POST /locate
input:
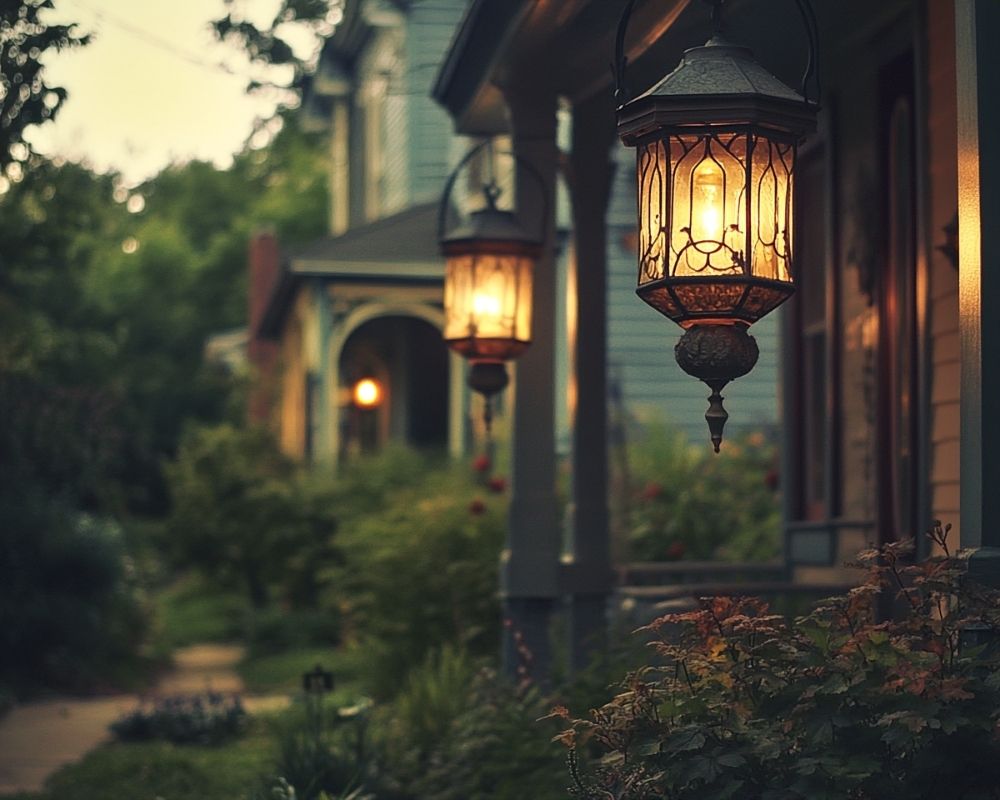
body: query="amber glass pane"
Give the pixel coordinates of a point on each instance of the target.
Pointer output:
(652, 175)
(771, 209)
(708, 215)
(488, 297)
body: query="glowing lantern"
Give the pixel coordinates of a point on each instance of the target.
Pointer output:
(716, 143)
(487, 293)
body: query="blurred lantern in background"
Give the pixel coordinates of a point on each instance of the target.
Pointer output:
(489, 264)
(716, 143)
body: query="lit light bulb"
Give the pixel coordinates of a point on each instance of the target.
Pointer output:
(367, 393)
(485, 305)
(706, 213)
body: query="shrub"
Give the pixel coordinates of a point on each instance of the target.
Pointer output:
(690, 503)
(244, 517)
(838, 704)
(207, 719)
(421, 573)
(71, 616)
(458, 731)
(322, 752)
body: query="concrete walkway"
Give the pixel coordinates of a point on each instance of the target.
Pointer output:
(38, 738)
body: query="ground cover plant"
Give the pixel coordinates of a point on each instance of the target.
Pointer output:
(210, 719)
(840, 704)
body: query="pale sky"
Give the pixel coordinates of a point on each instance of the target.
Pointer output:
(153, 86)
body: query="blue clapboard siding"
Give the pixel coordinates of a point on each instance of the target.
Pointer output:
(431, 24)
(641, 341)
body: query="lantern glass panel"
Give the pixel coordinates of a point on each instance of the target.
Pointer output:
(705, 250)
(488, 304)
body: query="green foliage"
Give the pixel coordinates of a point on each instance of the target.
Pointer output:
(151, 770)
(270, 45)
(208, 719)
(322, 750)
(282, 672)
(71, 616)
(242, 517)
(455, 734)
(25, 98)
(743, 704)
(695, 504)
(193, 611)
(420, 570)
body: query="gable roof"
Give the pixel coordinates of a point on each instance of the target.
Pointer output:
(400, 248)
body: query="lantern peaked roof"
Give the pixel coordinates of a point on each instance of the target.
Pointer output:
(721, 68)
(722, 84)
(490, 224)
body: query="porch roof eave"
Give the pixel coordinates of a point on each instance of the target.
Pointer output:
(567, 44)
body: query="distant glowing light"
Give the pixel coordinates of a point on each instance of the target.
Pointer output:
(367, 393)
(136, 203)
(130, 245)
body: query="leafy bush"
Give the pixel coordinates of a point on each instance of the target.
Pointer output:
(496, 749)
(692, 503)
(71, 616)
(243, 516)
(421, 572)
(322, 752)
(837, 704)
(207, 719)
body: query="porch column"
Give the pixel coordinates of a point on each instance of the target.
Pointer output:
(530, 561)
(977, 32)
(589, 574)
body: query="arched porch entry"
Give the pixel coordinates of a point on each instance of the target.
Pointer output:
(423, 398)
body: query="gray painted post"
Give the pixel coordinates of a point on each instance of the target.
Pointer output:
(590, 572)
(977, 32)
(530, 561)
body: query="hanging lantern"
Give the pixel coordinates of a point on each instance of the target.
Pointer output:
(489, 263)
(716, 143)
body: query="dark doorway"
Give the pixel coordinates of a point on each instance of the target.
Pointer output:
(408, 358)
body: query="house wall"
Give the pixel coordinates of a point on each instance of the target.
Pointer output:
(942, 169)
(299, 348)
(430, 151)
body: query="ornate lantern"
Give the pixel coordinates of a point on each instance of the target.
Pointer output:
(489, 263)
(716, 143)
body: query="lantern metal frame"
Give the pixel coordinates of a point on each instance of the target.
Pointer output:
(719, 103)
(490, 231)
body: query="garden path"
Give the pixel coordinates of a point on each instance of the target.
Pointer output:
(36, 739)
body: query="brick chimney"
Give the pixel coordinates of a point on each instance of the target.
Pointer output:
(264, 265)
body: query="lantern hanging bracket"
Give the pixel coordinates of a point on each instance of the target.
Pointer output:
(491, 190)
(806, 10)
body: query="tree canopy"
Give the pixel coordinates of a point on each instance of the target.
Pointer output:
(26, 99)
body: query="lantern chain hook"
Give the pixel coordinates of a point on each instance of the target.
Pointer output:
(620, 63)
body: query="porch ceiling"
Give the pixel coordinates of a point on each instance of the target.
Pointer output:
(567, 46)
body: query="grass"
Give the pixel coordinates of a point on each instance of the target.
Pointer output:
(282, 672)
(190, 611)
(161, 771)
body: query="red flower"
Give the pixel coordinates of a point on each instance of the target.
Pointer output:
(497, 484)
(477, 507)
(772, 480)
(481, 463)
(651, 491)
(675, 552)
